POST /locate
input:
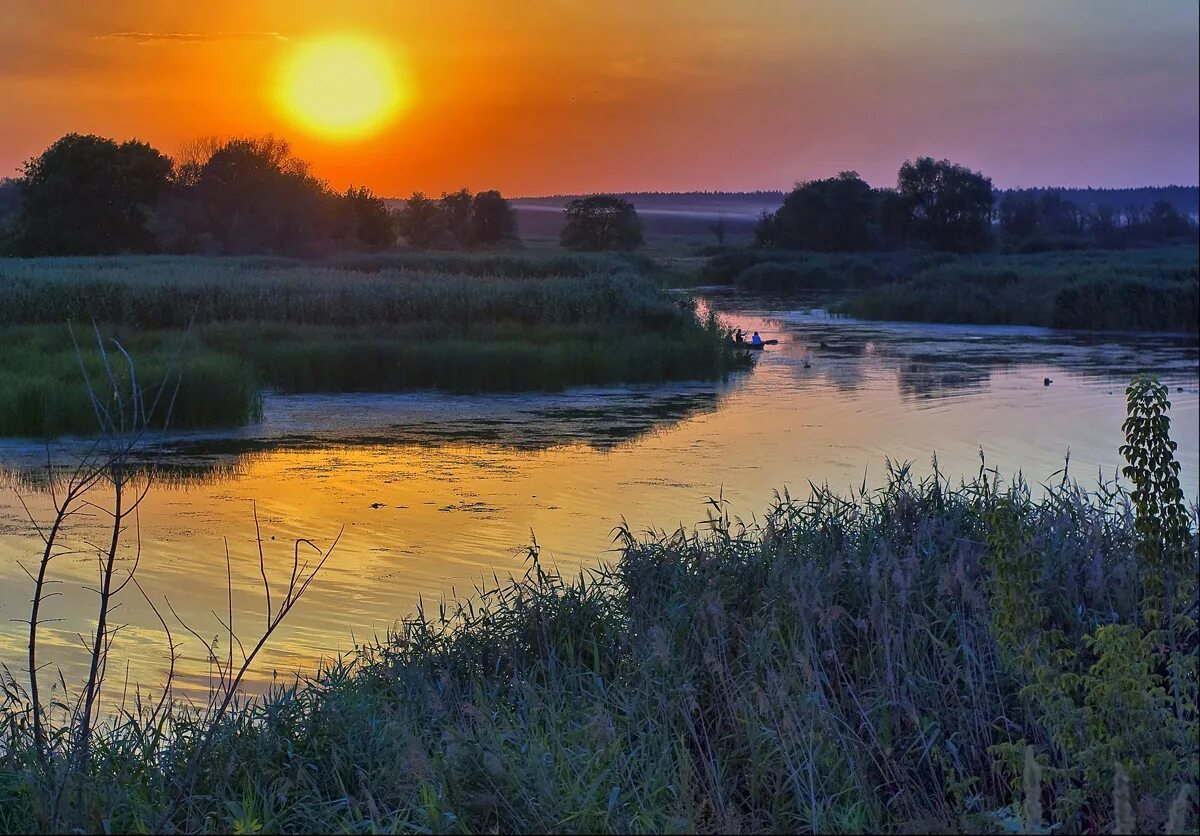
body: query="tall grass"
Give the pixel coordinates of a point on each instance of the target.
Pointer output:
(852, 663)
(783, 270)
(515, 323)
(1154, 290)
(1148, 290)
(43, 393)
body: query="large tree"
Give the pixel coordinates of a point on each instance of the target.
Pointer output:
(837, 214)
(601, 222)
(950, 205)
(88, 195)
(254, 196)
(492, 220)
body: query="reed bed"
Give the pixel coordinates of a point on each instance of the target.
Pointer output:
(1154, 290)
(231, 328)
(1144, 290)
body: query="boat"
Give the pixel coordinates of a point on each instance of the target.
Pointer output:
(749, 346)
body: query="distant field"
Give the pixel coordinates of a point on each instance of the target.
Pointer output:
(230, 328)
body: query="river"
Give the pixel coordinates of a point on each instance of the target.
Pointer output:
(435, 494)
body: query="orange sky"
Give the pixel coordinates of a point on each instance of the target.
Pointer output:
(546, 96)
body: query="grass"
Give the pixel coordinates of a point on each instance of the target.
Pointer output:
(1145, 290)
(920, 658)
(390, 323)
(1152, 290)
(836, 669)
(782, 270)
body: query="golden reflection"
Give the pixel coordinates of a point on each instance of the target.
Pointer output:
(425, 518)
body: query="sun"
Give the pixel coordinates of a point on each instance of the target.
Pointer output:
(341, 87)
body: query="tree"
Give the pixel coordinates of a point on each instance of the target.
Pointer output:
(421, 222)
(1106, 228)
(370, 221)
(892, 218)
(10, 213)
(1019, 214)
(456, 208)
(492, 220)
(1164, 222)
(601, 222)
(950, 205)
(87, 195)
(254, 196)
(833, 215)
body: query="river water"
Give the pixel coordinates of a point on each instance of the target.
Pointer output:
(435, 494)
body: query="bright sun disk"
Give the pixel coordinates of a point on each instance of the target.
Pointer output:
(341, 87)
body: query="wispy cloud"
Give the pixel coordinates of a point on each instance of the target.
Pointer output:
(152, 38)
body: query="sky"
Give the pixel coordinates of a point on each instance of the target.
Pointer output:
(567, 96)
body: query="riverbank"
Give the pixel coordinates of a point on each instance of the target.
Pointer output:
(840, 667)
(1117, 290)
(223, 330)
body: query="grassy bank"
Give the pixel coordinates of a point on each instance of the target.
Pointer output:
(1147, 290)
(228, 328)
(1152, 290)
(920, 658)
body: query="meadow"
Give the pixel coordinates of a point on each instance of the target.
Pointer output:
(987, 656)
(223, 330)
(1120, 290)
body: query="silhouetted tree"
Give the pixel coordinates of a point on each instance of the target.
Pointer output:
(421, 222)
(87, 195)
(1018, 214)
(1106, 228)
(11, 190)
(950, 205)
(892, 217)
(456, 210)
(1058, 216)
(1165, 223)
(254, 196)
(765, 234)
(830, 215)
(371, 222)
(601, 222)
(492, 220)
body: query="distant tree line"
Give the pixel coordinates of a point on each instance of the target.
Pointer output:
(940, 205)
(1030, 220)
(457, 220)
(89, 195)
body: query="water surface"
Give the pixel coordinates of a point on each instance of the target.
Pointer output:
(435, 493)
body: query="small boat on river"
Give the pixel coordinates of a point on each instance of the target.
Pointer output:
(749, 346)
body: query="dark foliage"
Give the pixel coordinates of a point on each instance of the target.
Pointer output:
(949, 206)
(87, 194)
(601, 222)
(834, 215)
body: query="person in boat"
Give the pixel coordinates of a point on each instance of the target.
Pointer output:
(738, 337)
(756, 339)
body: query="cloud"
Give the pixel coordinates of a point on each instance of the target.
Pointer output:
(150, 38)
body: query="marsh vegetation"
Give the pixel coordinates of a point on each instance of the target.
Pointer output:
(230, 328)
(1130, 290)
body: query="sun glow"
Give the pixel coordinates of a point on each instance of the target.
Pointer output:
(341, 87)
